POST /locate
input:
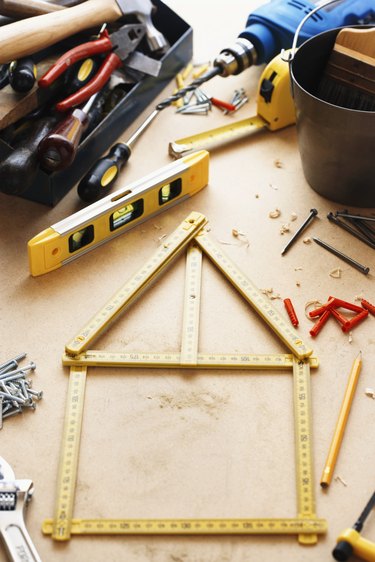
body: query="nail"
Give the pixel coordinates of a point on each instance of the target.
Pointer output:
(363, 269)
(313, 213)
(331, 217)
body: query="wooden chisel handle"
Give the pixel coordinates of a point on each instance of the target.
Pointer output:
(23, 9)
(28, 36)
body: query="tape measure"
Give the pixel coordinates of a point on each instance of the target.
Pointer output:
(192, 526)
(117, 213)
(190, 234)
(275, 110)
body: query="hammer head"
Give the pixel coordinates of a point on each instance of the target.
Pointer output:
(143, 9)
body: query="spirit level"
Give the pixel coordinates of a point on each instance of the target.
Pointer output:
(306, 525)
(275, 110)
(117, 213)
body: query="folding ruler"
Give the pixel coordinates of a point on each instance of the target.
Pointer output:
(192, 236)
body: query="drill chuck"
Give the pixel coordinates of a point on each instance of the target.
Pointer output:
(237, 58)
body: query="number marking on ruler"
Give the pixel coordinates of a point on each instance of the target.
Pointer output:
(93, 358)
(68, 467)
(253, 296)
(171, 247)
(192, 526)
(303, 428)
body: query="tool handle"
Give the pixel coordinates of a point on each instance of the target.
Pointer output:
(99, 180)
(80, 52)
(22, 74)
(111, 62)
(18, 170)
(25, 37)
(18, 543)
(27, 8)
(58, 149)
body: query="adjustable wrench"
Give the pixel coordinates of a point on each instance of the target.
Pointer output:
(14, 498)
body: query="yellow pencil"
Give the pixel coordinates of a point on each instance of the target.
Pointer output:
(341, 423)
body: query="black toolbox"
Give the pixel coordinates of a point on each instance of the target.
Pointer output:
(50, 188)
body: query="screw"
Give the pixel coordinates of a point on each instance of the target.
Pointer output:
(313, 213)
(363, 269)
(30, 367)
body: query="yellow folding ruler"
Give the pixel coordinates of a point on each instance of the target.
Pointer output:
(190, 235)
(275, 110)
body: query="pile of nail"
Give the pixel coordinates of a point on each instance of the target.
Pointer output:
(16, 393)
(360, 226)
(330, 308)
(197, 102)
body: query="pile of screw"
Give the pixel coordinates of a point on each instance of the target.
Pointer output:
(198, 103)
(16, 393)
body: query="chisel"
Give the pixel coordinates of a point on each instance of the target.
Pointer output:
(28, 36)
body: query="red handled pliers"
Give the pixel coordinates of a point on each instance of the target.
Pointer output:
(119, 44)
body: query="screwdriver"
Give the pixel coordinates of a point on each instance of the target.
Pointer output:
(98, 181)
(58, 148)
(22, 74)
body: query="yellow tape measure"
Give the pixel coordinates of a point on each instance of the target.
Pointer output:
(170, 360)
(68, 467)
(306, 525)
(192, 526)
(275, 110)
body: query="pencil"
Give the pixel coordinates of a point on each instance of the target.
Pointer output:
(341, 422)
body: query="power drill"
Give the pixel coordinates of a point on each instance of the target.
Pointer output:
(271, 28)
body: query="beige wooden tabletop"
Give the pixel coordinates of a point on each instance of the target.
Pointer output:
(202, 444)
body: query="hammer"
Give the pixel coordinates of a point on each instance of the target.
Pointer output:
(28, 36)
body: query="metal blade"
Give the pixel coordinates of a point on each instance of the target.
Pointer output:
(143, 63)
(127, 39)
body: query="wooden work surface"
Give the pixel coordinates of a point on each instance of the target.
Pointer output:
(197, 444)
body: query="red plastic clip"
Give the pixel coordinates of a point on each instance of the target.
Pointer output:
(291, 312)
(368, 306)
(320, 323)
(355, 320)
(223, 104)
(341, 318)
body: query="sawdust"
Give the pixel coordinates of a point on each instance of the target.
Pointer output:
(293, 217)
(206, 401)
(270, 294)
(370, 392)
(307, 240)
(274, 214)
(285, 228)
(278, 164)
(336, 273)
(340, 479)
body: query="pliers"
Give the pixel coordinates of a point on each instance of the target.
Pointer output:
(119, 45)
(14, 498)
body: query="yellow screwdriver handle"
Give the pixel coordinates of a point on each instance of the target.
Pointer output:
(362, 548)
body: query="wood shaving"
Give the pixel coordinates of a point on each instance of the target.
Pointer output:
(340, 479)
(273, 186)
(161, 238)
(274, 214)
(350, 337)
(237, 234)
(298, 268)
(308, 305)
(370, 392)
(359, 297)
(227, 243)
(307, 240)
(166, 245)
(278, 163)
(336, 273)
(157, 227)
(257, 196)
(285, 228)
(298, 283)
(293, 217)
(270, 294)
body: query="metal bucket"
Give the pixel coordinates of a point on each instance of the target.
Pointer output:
(337, 145)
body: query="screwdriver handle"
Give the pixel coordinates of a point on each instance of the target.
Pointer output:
(18, 170)
(22, 74)
(99, 180)
(58, 149)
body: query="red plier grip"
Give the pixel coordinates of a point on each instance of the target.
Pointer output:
(101, 45)
(111, 62)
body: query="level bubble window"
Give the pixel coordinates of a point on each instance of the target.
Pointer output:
(81, 238)
(126, 214)
(169, 191)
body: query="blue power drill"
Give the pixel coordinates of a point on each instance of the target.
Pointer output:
(271, 28)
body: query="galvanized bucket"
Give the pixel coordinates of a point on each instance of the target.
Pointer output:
(337, 145)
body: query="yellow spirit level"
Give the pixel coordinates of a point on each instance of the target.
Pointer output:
(117, 213)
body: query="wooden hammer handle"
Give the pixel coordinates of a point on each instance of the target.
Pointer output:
(28, 36)
(22, 9)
